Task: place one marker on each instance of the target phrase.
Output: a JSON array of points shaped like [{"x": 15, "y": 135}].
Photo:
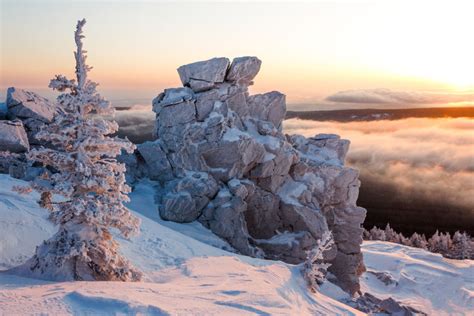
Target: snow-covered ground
[
  {"x": 423, "y": 280},
  {"x": 190, "y": 271}
]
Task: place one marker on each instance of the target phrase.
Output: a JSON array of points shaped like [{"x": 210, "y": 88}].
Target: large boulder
[
  {"x": 157, "y": 165},
  {"x": 203, "y": 75},
  {"x": 185, "y": 198},
  {"x": 269, "y": 106},
  {"x": 222, "y": 159},
  {"x": 33, "y": 109},
  {"x": 28, "y": 105},
  {"x": 243, "y": 70},
  {"x": 13, "y": 137}
]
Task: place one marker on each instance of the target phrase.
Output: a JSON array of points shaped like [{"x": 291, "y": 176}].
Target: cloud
[
  {"x": 136, "y": 122},
  {"x": 391, "y": 97},
  {"x": 432, "y": 157}
]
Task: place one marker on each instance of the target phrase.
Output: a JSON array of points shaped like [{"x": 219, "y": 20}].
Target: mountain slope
[
  {"x": 183, "y": 274},
  {"x": 188, "y": 271}
]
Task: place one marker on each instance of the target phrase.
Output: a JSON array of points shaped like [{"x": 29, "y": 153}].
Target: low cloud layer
[
  {"x": 136, "y": 123},
  {"x": 390, "y": 97},
  {"x": 432, "y": 157}
]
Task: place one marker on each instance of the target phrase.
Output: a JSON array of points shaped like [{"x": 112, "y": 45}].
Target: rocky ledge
[{"x": 222, "y": 159}]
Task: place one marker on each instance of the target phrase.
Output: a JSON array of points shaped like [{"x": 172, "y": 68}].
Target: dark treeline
[
  {"x": 456, "y": 246},
  {"x": 409, "y": 212},
  {"x": 379, "y": 114}
]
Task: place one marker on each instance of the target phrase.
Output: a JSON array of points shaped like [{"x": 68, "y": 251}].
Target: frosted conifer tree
[
  {"x": 461, "y": 246},
  {"x": 390, "y": 234},
  {"x": 377, "y": 234},
  {"x": 90, "y": 179},
  {"x": 315, "y": 269},
  {"x": 434, "y": 242},
  {"x": 418, "y": 241}
]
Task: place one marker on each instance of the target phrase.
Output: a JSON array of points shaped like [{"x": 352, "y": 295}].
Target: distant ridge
[{"x": 381, "y": 114}]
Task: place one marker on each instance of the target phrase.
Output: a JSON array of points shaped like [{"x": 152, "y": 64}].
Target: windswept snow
[
  {"x": 423, "y": 280},
  {"x": 23, "y": 225}
]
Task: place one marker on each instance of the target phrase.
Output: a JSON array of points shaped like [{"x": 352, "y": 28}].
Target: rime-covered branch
[{"x": 315, "y": 269}]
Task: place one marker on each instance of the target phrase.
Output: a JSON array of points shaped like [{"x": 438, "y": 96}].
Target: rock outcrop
[
  {"x": 21, "y": 117},
  {"x": 32, "y": 109},
  {"x": 222, "y": 159}
]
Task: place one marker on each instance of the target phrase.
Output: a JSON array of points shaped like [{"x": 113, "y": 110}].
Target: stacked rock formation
[
  {"x": 222, "y": 159},
  {"x": 26, "y": 112}
]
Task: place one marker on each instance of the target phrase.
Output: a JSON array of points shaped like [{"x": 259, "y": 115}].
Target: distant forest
[{"x": 381, "y": 114}]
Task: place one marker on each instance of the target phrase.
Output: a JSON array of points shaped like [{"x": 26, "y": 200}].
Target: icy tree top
[
  {"x": 84, "y": 154},
  {"x": 83, "y": 88}
]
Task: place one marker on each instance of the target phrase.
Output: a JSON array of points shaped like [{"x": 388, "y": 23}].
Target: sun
[{"x": 461, "y": 81}]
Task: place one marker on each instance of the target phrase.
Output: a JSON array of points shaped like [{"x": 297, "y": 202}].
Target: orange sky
[{"x": 309, "y": 50}]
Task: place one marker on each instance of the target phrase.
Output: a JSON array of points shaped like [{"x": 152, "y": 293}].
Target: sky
[{"x": 310, "y": 50}]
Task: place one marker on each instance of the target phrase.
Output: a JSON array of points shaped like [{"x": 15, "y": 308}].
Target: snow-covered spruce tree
[
  {"x": 461, "y": 246},
  {"x": 418, "y": 241},
  {"x": 314, "y": 268},
  {"x": 87, "y": 174}
]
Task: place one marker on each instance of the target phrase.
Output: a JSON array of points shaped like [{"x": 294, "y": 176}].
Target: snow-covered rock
[
  {"x": 33, "y": 109},
  {"x": 13, "y": 137},
  {"x": 267, "y": 184},
  {"x": 26, "y": 104},
  {"x": 243, "y": 70},
  {"x": 202, "y": 75}
]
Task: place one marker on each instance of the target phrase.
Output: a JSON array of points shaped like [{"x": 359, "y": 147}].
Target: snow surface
[
  {"x": 188, "y": 271},
  {"x": 426, "y": 281},
  {"x": 183, "y": 274},
  {"x": 23, "y": 225}
]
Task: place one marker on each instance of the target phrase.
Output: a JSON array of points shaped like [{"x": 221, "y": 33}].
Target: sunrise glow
[{"x": 310, "y": 50}]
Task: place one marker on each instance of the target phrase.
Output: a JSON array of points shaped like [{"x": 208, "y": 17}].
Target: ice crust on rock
[{"x": 222, "y": 159}]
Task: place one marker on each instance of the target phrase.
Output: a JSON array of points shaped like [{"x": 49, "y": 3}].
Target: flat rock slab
[
  {"x": 26, "y": 104},
  {"x": 202, "y": 75}
]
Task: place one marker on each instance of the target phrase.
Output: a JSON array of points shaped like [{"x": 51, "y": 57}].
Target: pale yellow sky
[{"x": 309, "y": 49}]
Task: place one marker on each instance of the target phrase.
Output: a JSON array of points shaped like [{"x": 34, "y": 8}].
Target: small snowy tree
[
  {"x": 315, "y": 269},
  {"x": 87, "y": 174},
  {"x": 434, "y": 242},
  {"x": 445, "y": 243},
  {"x": 418, "y": 241},
  {"x": 390, "y": 234},
  {"x": 461, "y": 246},
  {"x": 377, "y": 234}
]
